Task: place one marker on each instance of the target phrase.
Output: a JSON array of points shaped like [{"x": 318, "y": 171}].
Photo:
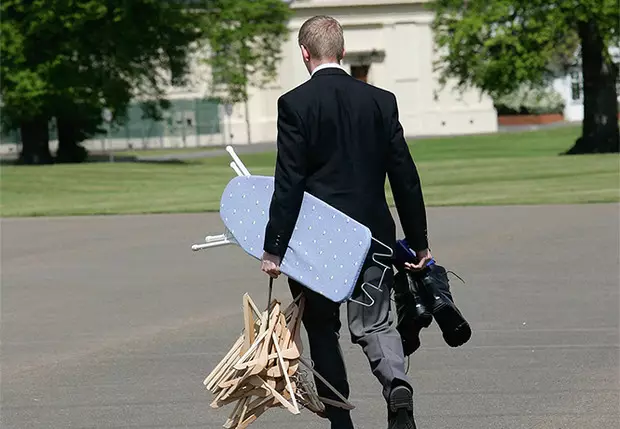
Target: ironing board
[{"x": 327, "y": 249}]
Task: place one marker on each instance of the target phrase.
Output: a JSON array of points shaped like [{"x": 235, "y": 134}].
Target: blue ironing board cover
[{"x": 327, "y": 249}]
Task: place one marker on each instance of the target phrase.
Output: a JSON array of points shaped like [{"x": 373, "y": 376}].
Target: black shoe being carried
[
  {"x": 412, "y": 314},
  {"x": 419, "y": 293},
  {"x": 434, "y": 285},
  {"x": 400, "y": 409}
]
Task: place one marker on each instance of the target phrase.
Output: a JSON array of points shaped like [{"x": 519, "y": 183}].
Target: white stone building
[{"x": 388, "y": 43}]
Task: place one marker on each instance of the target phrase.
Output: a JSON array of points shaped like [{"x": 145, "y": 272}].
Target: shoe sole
[
  {"x": 401, "y": 404},
  {"x": 401, "y": 398},
  {"x": 456, "y": 331}
]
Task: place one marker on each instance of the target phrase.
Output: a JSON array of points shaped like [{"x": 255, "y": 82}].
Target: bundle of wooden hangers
[{"x": 265, "y": 367}]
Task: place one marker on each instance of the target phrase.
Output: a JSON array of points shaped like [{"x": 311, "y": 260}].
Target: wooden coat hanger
[{"x": 265, "y": 368}]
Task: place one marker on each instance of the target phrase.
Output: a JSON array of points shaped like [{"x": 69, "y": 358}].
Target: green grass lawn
[{"x": 519, "y": 168}]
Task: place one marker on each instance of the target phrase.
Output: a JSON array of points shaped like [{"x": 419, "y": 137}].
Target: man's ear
[
  {"x": 305, "y": 53},
  {"x": 344, "y": 52}
]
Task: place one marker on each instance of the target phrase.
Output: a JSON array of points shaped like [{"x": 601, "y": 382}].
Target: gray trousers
[{"x": 370, "y": 327}]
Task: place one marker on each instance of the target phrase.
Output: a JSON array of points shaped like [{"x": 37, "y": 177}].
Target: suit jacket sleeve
[
  {"x": 290, "y": 180},
  {"x": 406, "y": 186}
]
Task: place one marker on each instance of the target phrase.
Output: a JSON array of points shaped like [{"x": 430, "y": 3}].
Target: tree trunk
[
  {"x": 247, "y": 107},
  {"x": 600, "y": 108},
  {"x": 69, "y": 136},
  {"x": 35, "y": 142},
  {"x": 247, "y": 121}
]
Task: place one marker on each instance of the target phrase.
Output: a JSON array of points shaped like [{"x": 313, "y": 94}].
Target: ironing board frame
[{"x": 227, "y": 238}]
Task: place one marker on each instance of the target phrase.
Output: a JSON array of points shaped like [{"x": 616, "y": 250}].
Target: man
[{"x": 338, "y": 138}]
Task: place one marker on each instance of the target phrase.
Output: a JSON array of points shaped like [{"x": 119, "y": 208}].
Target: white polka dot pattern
[{"x": 327, "y": 249}]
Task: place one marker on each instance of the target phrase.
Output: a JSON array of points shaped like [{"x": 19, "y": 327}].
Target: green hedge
[{"x": 530, "y": 101}]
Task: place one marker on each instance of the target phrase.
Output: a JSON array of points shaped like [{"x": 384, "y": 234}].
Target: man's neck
[{"x": 324, "y": 65}]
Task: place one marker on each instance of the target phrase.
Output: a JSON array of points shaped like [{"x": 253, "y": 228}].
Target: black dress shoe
[
  {"x": 400, "y": 409},
  {"x": 412, "y": 313},
  {"x": 434, "y": 284},
  {"x": 340, "y": 420}
]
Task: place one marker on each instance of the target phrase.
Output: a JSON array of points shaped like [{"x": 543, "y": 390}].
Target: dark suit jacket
[{"x": 338, "y": 138}]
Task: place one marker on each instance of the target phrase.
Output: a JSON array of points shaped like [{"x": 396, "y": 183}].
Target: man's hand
[
  {"x": 424, "y": 256},
  {"x": 270, "y": 265}
]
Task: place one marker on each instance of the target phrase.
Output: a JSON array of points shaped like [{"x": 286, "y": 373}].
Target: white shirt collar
[{"x": 326, "y": 66}]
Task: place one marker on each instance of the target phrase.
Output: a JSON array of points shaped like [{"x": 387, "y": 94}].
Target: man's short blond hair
[{"x": 323, "y": 37}]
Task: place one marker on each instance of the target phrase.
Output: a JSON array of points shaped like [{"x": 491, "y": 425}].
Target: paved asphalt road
[{"x": 112, "y": 322}]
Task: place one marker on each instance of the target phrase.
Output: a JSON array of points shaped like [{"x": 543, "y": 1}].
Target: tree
[
  {"x": 244, "y": 38},
  {"x": 69, "y": 60},
  {"x": 497, "y": 45},
  {"x": 23, "y": 89}
]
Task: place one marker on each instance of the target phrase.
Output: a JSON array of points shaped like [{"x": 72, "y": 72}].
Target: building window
[
  {"x": 576, "y": 86},
  {"x": 360, "y": 72}
]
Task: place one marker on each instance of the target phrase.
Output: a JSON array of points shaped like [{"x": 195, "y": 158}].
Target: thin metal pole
[
  {"x": 237, "y": 170},
  {"x": 270, "y": 292},
  {"x": 235, "y": 158}
]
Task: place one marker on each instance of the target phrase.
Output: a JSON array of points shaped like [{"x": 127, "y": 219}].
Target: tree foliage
[
  {"x": 498, "y": 45},
  {"x": 68, "y": 60},
  {"x": 244, "y": 38}
]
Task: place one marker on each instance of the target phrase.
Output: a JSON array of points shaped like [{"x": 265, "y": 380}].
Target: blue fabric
[{"x": 327, "y": 249}]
